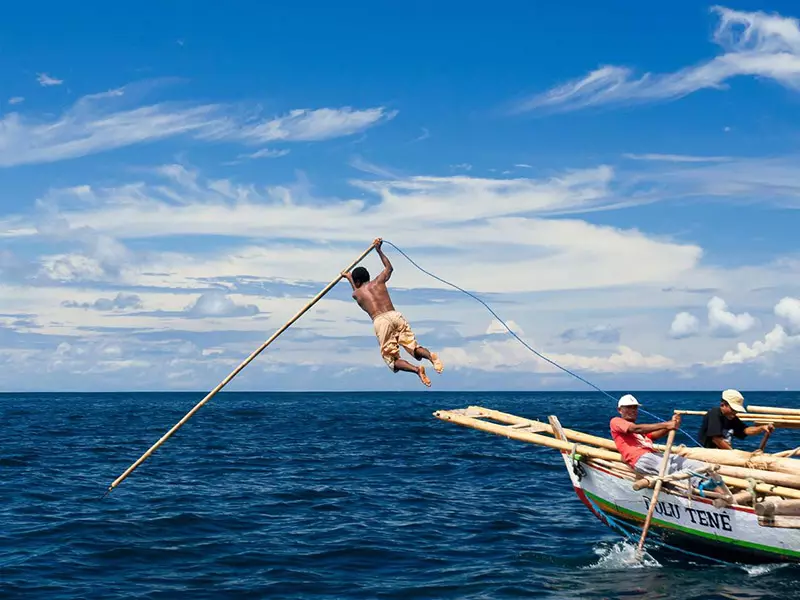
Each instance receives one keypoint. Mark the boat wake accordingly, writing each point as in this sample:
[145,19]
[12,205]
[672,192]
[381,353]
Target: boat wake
[621,555]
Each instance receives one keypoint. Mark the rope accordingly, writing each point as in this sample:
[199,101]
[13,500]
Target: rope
[610,521]
[519,339]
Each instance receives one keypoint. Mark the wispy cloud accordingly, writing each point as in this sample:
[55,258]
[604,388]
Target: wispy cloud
[120,302]
[602,334]
[470,223]
[45,80]
[109,120]
[16,100]
[678,158]
[423,136]
[308,125]
[754,44]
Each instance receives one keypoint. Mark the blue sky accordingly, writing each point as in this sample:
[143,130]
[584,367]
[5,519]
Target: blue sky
[619,182]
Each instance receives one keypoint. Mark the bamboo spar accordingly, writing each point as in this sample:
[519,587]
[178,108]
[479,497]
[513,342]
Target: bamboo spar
[657,490]
[235,372]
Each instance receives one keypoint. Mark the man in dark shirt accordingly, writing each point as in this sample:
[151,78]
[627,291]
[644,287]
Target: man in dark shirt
[720,424]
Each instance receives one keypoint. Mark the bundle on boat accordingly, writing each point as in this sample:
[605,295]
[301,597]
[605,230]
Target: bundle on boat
[769,483]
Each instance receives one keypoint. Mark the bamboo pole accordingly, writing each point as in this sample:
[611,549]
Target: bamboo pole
[774,410]
[776,506]
[749,416]
[733,458]
[788,453]
[460,418]
[233,373]
[525,436]
[764,440]
[657,489]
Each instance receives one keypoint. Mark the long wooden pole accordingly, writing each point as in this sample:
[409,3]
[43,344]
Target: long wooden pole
[233,373]
[774,410]
[657,489]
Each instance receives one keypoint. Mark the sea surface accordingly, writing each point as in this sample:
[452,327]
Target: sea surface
[340,495]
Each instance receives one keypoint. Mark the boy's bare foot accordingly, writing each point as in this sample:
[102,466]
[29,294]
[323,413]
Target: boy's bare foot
[437,364]
[423,377]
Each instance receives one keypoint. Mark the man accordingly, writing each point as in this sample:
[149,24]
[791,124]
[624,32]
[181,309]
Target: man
[635,441]
[390,326]
[720,424]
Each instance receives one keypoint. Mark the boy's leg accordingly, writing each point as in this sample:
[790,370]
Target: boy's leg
[404,365]
[420,352]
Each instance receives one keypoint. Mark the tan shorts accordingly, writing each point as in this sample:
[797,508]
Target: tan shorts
[393,331]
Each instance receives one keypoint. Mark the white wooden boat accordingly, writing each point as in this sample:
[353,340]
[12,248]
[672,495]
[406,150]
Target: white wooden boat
[701,522]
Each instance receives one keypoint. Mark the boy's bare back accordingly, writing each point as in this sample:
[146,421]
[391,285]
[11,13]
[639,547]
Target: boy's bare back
[373,298]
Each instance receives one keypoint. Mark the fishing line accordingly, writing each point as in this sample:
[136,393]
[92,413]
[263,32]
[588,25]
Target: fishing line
[519,339]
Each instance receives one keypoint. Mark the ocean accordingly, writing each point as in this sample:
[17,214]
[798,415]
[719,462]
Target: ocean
[326,495]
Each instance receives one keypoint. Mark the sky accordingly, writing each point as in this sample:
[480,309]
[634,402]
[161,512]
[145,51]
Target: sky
[619,182]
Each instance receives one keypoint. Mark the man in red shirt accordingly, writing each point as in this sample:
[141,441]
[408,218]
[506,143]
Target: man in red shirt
[635,442]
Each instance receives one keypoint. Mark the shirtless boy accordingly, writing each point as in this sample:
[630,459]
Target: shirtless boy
[391,328]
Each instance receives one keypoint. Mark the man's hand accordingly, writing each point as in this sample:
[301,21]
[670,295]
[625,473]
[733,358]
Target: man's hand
[768,428]
[675,422]
[377,242]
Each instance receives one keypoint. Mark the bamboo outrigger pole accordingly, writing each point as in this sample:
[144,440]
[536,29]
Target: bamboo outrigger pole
[233,373]
[657,490]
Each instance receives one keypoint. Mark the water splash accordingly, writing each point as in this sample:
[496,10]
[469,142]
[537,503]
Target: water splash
[621,555]
[759,570]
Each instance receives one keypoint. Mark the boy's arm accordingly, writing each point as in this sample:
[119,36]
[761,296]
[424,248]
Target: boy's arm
[349,277]
[384,275]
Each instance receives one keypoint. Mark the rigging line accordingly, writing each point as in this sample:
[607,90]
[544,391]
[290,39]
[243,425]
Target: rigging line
[519,339]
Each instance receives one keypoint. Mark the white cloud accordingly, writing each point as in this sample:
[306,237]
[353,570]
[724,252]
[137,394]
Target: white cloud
[45,80]
[268,153]
[109,120]
[753,43]
[511,355]
[496,327]
[492,236]
[684,325]
[473,228]
[216,303]
[775,341]
[16,100]
[789,309]
[308,125]
[723,322]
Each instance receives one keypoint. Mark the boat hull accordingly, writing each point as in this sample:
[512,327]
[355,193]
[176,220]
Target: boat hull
[695,525]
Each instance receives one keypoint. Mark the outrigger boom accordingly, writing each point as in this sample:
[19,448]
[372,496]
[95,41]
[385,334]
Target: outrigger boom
[752,515]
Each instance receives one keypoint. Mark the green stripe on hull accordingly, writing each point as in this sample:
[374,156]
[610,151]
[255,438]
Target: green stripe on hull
[690,531]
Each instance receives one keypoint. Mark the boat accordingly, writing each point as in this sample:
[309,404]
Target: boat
[727,517]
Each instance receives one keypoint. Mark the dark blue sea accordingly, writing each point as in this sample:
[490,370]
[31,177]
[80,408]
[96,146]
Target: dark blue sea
[341,495]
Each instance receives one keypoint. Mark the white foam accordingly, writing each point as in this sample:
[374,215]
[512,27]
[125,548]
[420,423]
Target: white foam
[622,555]
[758,570]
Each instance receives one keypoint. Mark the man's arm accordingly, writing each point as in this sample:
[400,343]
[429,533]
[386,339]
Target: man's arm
[384,275]
[658,429]
[720,443]
[756,429]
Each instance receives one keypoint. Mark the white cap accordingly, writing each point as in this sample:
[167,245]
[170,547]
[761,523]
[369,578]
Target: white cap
[735,399]
[627,400]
